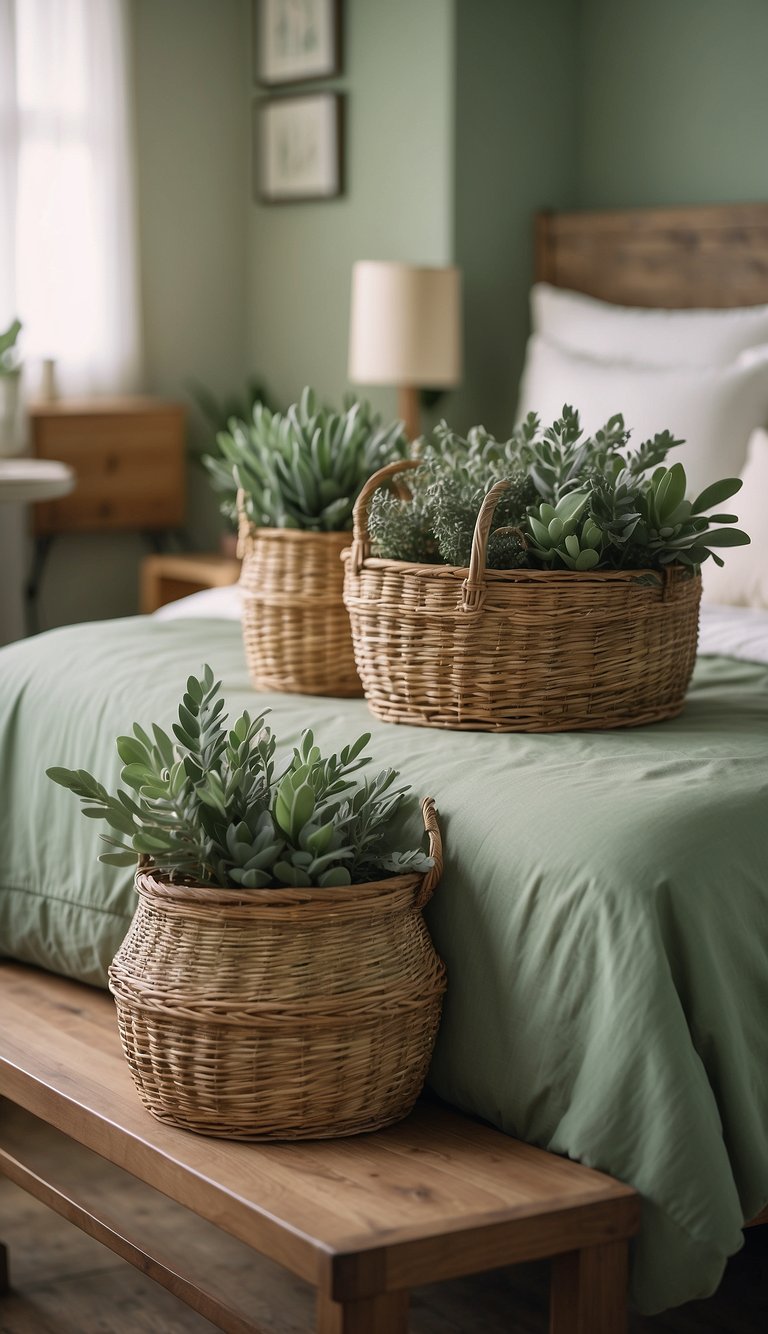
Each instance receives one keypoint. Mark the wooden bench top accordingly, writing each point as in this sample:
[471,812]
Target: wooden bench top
[436,1196]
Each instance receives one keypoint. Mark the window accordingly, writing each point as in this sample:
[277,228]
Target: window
[66,208]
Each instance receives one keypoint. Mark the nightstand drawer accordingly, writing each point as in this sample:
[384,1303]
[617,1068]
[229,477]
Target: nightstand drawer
[129,467]
[91,434]
[101,511]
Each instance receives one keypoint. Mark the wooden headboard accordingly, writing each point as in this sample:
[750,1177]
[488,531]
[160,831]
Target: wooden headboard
[675,257]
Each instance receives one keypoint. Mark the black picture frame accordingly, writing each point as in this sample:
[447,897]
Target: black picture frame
[281,28]
[311,126]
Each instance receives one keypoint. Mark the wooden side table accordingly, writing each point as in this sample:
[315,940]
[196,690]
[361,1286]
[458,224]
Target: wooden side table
[128,457]
[166,578]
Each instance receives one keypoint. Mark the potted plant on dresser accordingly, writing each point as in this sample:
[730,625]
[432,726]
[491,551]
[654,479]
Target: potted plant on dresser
[278,980]
[546,583]
[10,379]
[294,478]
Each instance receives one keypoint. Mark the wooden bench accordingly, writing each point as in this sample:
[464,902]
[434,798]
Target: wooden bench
[363,1220]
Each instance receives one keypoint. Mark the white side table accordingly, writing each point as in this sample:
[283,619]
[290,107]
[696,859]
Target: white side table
[22,482]
[25,480]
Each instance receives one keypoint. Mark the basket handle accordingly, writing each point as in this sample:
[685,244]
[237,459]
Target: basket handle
[243,525]
[361,542]
[474,586]
[432,828]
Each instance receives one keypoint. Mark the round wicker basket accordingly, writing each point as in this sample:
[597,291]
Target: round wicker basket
[516,650]
[295,625]
[281,1014]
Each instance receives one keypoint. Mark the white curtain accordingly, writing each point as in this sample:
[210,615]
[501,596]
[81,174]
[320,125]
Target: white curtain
[68,263]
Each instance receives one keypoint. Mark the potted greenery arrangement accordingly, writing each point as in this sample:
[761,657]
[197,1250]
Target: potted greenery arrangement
[278,980]
[293,479]
[237,406]
[10,378]
[546,583]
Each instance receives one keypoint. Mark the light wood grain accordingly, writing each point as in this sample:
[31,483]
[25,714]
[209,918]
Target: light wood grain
[66,1283]
[165,578]
[660,257]
[128,457]
[363,1220]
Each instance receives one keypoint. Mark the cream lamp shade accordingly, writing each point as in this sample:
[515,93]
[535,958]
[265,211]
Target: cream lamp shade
[405,329]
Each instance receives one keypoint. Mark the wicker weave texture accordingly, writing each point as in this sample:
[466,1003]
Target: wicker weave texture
[295,626]
[518,650]
[285,1014]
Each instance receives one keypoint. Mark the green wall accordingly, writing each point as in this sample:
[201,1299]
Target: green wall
[502,108]
[515,152]
[673,102]
[399,78]
[192,61]
[463,119]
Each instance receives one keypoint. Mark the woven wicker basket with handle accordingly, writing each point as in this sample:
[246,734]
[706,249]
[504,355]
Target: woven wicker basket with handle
[516,650]
[295,625]
[281,1013]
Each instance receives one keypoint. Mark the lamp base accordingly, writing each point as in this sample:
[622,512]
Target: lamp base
[408,410]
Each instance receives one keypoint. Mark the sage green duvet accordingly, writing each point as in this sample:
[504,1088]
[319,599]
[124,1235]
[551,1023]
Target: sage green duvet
[603,914]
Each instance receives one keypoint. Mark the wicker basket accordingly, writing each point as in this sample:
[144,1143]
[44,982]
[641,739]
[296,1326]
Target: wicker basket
[281,1014]
[516,650]
[295,626]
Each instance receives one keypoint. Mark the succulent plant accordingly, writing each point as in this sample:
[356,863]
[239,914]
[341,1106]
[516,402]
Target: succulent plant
[674,529]
[305,468]
[438,524]
[636,514]
[573,502]
[8,349]
[559,535]
[209,808]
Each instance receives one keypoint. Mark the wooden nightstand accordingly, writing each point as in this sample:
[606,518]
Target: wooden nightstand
[128,458]
[165,578]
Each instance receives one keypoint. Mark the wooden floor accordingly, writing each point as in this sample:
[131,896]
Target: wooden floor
[64,1283]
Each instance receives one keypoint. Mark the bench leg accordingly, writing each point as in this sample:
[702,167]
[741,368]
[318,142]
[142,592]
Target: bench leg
[385,1314]
[588,1293]
[5,1278]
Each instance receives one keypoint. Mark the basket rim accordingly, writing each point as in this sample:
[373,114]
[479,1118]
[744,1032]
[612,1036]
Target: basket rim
[300,534]
[274,897]
[437,571]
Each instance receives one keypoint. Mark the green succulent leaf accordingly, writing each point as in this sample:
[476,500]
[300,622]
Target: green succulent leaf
[302,469]
[219,815]
[716,494]
[727,537]
[338,876]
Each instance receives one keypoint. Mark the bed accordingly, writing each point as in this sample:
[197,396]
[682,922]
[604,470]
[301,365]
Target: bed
[604,909]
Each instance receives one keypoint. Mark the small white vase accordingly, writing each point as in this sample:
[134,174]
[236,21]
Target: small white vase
[10,414]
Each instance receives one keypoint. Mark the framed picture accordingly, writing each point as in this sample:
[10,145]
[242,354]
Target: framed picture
[296,40]
[298,144]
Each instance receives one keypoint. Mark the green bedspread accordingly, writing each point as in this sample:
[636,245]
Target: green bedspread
[603,914]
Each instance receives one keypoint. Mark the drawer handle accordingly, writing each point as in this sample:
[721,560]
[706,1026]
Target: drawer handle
[112,462]
[105,509]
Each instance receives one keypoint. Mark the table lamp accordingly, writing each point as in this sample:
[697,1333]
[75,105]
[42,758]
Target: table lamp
[405,330]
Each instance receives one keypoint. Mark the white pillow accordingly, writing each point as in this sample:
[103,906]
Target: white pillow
[593,328]
[215,604]
[743,580]
[714,410]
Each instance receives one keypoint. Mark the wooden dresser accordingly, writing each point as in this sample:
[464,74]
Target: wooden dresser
[128,457]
